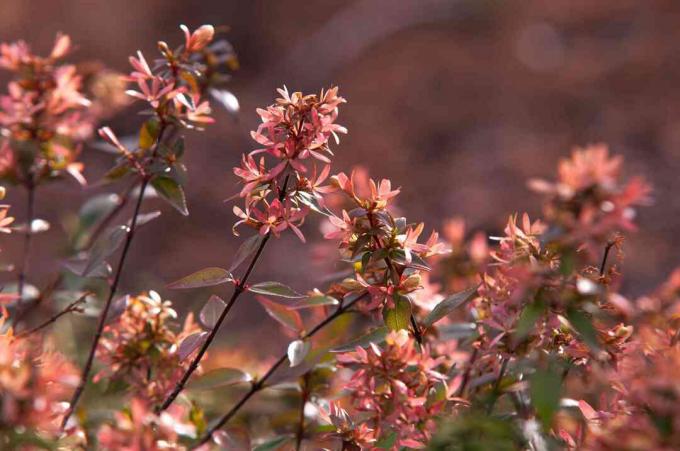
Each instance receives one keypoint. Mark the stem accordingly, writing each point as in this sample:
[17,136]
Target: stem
[104,223]
[104,314]
[303,402]
[497,384]
[72,307]
[466,375]
[146,178]
[607,248]
[239,288]
[23,268]
[259,385]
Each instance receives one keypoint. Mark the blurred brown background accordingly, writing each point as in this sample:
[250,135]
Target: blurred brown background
[457,101]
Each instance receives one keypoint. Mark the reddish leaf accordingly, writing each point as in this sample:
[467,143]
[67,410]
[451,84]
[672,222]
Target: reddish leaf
[284,315]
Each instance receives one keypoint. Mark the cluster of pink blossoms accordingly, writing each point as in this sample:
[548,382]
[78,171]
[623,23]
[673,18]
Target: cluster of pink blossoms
[43,117]
[396,389]
[140,348]
[35,380]
[295,129]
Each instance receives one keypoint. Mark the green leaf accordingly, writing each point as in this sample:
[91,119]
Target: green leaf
[172,192]
[545,394]
[387,441]
[211,311]
[104,247]
[287,317]
[248,247]
[448,305]
[275,289]
[528,318]
[399,317]
[314,301]
[375,336]
[582,324]
[117,171]
[221,377]
[148,134]
[207,277]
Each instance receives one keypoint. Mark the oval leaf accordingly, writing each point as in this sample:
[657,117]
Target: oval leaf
[220,377]
[207,277]
[172,192]
[104,247]
[275,289]
[284,315]
[297,351]
[211,311]
[315,299]
[190,344]
[448,305]
[375,336]
[399,317]
[248,247]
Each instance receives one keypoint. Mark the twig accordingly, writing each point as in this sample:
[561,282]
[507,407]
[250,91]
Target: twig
[303,402]
[23,268]
[72,307]
[114,286]
[260,384]
[497,384]
[466,374]
[607,248]
[239,288]
[104,223]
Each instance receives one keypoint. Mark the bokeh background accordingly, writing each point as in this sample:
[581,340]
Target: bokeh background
[457,101]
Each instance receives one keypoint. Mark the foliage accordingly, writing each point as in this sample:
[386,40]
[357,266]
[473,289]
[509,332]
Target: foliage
[529,345]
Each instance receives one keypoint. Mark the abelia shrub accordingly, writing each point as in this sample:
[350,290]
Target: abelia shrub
[517,338]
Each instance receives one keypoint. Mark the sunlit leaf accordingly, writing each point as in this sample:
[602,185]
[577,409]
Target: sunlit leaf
[148,133]
[399,317]
[172,192]
[207,277]
[376,336]
[232,439]
[220,377]
[211,311]
[145,218]
[448,305]
[317,299]
[289,318]
[275,289]
[225,98]
[297,350]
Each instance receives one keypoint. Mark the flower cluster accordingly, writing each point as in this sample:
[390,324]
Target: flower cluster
[43,117]
[138,428]
[140,348]
[294,130]
[176,89]
[589,200]
[34,382]
[396,390]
